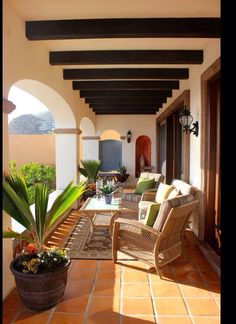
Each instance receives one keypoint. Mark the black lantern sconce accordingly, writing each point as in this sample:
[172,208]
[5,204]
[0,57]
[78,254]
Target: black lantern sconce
[186,120]
[128,136]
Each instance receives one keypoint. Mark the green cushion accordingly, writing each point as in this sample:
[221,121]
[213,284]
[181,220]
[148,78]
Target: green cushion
[143,185]
[151,215]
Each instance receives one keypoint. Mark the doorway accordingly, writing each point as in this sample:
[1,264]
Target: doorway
[143,150]
[211,158]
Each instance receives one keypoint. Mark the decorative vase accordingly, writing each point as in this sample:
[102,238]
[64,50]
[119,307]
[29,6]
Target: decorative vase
[41,291]
[108,199]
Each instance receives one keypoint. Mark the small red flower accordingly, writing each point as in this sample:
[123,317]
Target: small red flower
[30,248]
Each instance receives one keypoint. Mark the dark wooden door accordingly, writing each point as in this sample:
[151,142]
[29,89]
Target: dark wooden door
[174,152]
[212,225]
[110,154]
[143,147]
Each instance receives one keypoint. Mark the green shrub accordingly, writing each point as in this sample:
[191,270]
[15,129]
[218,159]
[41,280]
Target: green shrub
[34,173]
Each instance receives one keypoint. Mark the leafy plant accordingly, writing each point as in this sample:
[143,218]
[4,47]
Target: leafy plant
[122,169]
[90,169]
[16,203]
[108,189]
[33,173]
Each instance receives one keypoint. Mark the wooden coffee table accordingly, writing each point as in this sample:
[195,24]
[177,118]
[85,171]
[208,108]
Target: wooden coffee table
[95,209]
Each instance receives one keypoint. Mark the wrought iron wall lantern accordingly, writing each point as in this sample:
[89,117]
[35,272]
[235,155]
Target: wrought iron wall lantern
[186,120]
[128,136]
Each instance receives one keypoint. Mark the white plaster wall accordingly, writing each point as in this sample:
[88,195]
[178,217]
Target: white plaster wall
[90,149]
[138,125]
[27,60]
[211,54]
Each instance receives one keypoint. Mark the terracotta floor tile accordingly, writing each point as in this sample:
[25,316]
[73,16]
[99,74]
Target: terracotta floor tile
[218,301]
[153,277]
[108,276]
[174,320]
[214,288]
[137,306]
[102,318]
[108,265]
[202,306]
[210,276]
[136,319]
[170,306]
[165,290]
[135,276]
[189,276]
[27,317]
[106,288]
[103,304]
[136,290]
[206,320]
[191,291]
[133,265]
[82,274]
[75,289]
[73,305]
[13,302]
[85,264]
[8,316]
[64,318]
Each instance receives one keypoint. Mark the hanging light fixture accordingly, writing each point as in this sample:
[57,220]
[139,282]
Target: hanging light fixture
[128,136]
[186,120]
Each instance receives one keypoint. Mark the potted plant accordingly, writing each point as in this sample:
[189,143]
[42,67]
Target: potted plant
[90,171]
[40,272]
[123,175]
[108,190]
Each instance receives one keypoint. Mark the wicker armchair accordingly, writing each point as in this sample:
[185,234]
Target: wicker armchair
[160,244]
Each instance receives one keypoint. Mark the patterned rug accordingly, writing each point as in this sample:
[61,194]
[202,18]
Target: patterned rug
[99,247]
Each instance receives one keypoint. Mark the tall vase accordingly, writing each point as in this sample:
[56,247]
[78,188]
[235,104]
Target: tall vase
[108,199]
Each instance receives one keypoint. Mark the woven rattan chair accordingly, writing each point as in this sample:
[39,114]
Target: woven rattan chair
[160,244]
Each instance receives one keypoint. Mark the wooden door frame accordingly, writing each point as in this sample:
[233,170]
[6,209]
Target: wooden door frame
[207,76]
[181,101]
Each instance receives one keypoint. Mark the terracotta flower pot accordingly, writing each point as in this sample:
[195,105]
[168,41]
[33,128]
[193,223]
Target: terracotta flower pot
[41,291]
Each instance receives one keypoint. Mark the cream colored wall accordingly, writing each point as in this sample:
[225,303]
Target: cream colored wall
[139,125]
[25,60]
[32,148]
[211,54]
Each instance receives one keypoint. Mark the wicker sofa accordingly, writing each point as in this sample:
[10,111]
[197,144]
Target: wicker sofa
[148,198]
[130,196]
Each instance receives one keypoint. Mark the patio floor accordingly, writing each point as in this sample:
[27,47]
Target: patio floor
[130,292]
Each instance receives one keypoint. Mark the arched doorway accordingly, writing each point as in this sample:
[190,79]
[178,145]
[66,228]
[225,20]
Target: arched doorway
[142,150]
[110,150]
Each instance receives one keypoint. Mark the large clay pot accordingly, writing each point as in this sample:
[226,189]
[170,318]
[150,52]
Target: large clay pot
[41,291]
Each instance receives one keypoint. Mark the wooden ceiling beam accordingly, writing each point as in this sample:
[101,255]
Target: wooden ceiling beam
[125,100]
[119,85]
[197,27]
[123,107]
[125,112]
[126,73]
[126,57]
[125,93]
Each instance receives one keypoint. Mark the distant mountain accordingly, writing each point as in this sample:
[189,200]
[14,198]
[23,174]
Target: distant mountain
[30,124]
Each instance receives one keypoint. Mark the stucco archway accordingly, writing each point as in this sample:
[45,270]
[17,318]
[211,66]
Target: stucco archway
[66,138]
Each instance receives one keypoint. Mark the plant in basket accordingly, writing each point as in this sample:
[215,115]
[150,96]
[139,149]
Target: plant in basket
[40,272]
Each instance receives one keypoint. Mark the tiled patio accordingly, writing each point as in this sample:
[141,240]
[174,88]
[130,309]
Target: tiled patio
[129,292]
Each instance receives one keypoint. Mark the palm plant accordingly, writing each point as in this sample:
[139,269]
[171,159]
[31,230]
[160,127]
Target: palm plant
[90,169]
[16,204]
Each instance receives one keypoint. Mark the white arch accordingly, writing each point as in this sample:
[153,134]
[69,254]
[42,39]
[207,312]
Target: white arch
[87,127]
[66,143]
[56,104]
